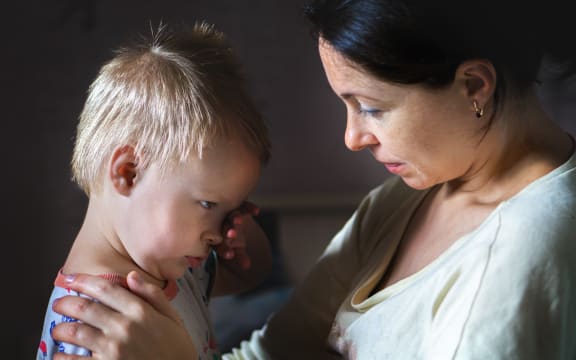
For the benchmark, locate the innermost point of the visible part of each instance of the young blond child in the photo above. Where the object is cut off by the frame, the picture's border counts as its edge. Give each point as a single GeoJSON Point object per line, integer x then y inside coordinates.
{"type": "Point", "coordinates": [168, 148]}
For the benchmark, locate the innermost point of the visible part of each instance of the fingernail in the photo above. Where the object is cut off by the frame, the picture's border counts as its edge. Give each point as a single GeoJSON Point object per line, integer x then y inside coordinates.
{"type": "Point", "coordinates": [136, 277]}
{"type": "Point", "coordinates": [70, 278]}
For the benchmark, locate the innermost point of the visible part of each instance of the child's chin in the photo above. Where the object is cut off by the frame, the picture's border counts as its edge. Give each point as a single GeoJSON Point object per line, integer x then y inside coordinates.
{"type": "Point", "coordinates": [194, 262]}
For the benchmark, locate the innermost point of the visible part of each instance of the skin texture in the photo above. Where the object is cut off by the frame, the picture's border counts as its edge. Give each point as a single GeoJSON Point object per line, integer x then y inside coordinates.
{"type": "Point", "coordinates": [410, 129]}
{"type": "Point", "coordinates": [432, 138]}
{"type": "Point", "coordinates": [162, 222]}
{"type": "Point", "coordinates": [142, 313]}
{"type": "Point", "coordinates": [429, 137]}
{"type": "Point", "coordinates": [123, 316]}
{"type": "Point", "coordinates": [152, 225]}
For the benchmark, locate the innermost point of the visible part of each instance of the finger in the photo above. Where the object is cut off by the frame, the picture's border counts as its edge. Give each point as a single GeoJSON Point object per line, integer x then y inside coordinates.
{"type": "Point", "coordinates": [232, 233]}
{"type": "Point", "coordinates": [152, 294]}
{"type": "Point", "coordinates": [243, 259]}
{"type": "Point", "coordinates": [245, 262]}
{"type": "Point", "coordinates": [77, 333]}
{"type": "Point", "coordinates": [228, 254]}
{"type": "Point", "coordinates": [108, 293]}
{"type": "Point", "coordinates": [248, 207]}
{"type": "Point", "coordinates": [64, 356]}
{"type": "Point", "coordinates": [121, 303]}
{"type": "Point", "coordinates": [233, 219]}
{"type": "Point", "coordinates": [85, 310]}
{"type": "Point", "coordinates": [222, 249]}
{"type": "Point", "coordinates": [235, 244]}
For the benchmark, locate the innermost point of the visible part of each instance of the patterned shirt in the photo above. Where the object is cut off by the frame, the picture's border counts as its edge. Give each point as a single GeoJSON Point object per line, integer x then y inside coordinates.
{"type": "Point", "coordinates": [189, 295]}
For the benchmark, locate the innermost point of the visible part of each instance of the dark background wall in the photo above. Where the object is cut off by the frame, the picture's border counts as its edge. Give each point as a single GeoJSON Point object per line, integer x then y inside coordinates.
{"type": "Point", "coordinates": [52, 51]}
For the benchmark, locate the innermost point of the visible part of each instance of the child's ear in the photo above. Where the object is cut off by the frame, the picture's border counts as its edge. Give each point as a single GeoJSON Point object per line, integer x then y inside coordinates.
{"type": "Point", "coordinates": [123, 169]}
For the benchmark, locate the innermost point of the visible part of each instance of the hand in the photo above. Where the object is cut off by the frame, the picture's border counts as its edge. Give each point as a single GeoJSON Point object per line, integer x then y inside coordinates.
{"type": "Point", "coordinates": [245, 256]}
{"type": "Point", "coordinates": [233, 248]}
{"type": "Point", "coordinates": [123, 325]}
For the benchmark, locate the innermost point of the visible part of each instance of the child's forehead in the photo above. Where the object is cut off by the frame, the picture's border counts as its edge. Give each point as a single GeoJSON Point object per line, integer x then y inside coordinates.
{"type": "Point", "coordinates": [218, 154]}
{"type": "Point", "coordinates": [233, 145]}
{"type": "Point", "coordinates": [227, 172]}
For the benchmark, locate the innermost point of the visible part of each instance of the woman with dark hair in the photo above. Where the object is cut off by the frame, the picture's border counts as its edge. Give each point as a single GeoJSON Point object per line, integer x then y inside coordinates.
{"type": "Point", "coordinates": [469, 252]}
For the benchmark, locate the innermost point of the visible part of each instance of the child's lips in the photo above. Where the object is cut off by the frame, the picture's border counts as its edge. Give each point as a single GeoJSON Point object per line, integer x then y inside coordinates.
{"type": "Point", "coordinates": [195, 261]}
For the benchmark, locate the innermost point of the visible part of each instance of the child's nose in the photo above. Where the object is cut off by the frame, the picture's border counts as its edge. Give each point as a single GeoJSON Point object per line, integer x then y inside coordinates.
{"type": "Point", "coordinates": [214, 238]}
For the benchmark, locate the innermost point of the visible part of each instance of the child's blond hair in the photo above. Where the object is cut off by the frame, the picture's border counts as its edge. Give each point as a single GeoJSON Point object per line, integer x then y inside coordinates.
{"type": "Point", "coordinates": [168, 97]}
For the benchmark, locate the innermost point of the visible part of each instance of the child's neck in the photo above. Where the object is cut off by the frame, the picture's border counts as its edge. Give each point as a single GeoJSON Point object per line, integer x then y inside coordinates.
{"type": "Point", "coordinates": [96, 252]}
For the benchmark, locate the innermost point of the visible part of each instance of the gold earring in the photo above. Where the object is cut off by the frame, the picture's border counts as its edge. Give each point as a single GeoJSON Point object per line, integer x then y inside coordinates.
{"type": "Point", "coordinates": [477, 109]}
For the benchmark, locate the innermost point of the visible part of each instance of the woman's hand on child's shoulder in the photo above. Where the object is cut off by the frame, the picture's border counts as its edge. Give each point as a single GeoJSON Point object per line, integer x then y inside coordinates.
{"type": "Point", "coordinates": [138, 323]}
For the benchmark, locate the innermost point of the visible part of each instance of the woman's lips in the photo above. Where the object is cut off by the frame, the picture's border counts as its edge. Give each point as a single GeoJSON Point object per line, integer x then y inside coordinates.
{"type": "Point", "coordinates": [394, 168]}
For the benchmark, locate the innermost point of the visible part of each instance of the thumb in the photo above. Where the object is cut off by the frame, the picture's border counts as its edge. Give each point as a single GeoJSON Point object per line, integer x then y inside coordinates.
{"type": "Point", "coordinates": [152, 294]}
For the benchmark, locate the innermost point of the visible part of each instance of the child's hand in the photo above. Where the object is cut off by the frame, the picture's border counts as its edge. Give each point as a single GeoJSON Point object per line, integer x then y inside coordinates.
{"type": "Point", "coordinates": [245, 256]}
{"type": "Point", "coordinates": [233, 248]}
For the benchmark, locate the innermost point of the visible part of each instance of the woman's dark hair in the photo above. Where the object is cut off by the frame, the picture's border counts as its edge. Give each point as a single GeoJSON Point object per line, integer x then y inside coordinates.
{"type": "Point", "coordinates": [424, 41]}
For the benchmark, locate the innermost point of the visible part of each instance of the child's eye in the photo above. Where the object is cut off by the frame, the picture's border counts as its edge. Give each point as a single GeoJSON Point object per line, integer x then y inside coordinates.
{"type": "Point", "coordinates": [207, 204]}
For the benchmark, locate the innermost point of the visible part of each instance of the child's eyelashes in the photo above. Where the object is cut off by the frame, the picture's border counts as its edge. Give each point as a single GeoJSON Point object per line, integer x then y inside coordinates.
{"type": "Point", "coordinates": [207, 204]}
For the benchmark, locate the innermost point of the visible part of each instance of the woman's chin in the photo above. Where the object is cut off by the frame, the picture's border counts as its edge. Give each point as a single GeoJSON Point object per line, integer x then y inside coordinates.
{"type": "Point", "coordinates": [417, 183]}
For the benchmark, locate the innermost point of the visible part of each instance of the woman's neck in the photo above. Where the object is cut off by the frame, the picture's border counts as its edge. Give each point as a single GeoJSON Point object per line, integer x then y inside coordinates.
{"type": "Point", "coordinates": [522, 145]}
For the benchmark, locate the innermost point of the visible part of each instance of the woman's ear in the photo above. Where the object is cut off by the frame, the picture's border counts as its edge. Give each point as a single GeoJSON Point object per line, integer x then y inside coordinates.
{"type": "Point", "coordinates": [479, 81]}
{"type": "Point", "coordinates": [124, 169]}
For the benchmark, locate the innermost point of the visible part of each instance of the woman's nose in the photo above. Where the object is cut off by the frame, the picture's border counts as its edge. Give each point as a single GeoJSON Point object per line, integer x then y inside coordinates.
{"type": "Point", "coordinates": [357, 136]}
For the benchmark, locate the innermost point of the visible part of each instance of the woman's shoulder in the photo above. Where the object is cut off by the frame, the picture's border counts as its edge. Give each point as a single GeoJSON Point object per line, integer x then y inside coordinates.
{"type": "Point", "coordinates": [539, 223]}
{"type": "Point", "coordinates": [549, 198]}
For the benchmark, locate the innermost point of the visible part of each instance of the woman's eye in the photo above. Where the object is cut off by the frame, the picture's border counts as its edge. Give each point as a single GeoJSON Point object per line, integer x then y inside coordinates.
{"type": "Point", "coordinates": [365, 110]}
{"type": "Point", "coordinates": [207, 204]}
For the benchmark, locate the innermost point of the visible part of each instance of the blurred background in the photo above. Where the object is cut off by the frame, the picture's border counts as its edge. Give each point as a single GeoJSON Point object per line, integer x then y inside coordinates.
{"type": "Point", "coordinates": [52, 51]}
